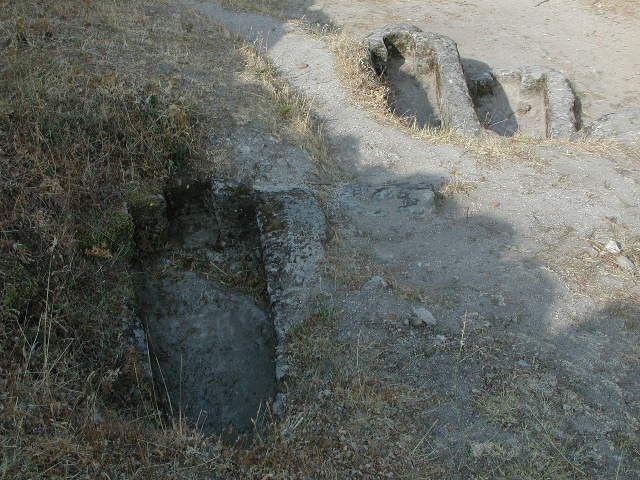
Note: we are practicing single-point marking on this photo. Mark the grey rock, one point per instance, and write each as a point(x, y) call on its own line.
point(279, 404)
point(394, 202)
point(612, 247)
point(424, 316)
point(622, 126)
point(424, 64)
point(626, 264)
point(211, 349)
point(536, 101)
point(416, 322)
point(293, 230)
point(375, 283)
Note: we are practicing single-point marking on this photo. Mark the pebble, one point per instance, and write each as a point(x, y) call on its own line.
point(441, 339)
point(612, 247)
point(625, 263)
point(302, 65)
point(424, 316)
point(523, 364)
point(592, 252)
point(416, 322)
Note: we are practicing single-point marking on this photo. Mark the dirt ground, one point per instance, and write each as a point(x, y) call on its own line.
point(528, 367)
point(597, 48)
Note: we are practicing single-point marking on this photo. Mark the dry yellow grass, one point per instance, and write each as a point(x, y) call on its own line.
point(289, 109)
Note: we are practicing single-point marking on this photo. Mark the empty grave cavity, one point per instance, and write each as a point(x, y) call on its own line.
point(425, 76)
point(203, 303)
point(414, 83)
point(534, 101)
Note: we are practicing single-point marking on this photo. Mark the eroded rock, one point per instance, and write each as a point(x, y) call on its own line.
point(292, 231)
point(622, 127)
point(212, 350)
point(536, 101)
point(426, 76)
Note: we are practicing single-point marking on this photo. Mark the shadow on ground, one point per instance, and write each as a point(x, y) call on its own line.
point(505, 397)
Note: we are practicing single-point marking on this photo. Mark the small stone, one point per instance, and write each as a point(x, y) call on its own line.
point(480, 449)
point(405, 322)
point(302, 66)
point(523, 364)
point(625, 263)
point(375, 283)
point(324, 394)
point(612, 247)
point(279, 403)
point(416, 322)
point(441, 339)
point(592, 252)
point(424, 316)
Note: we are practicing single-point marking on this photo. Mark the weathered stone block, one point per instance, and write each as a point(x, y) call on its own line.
point(535, 101)
point(426, 76)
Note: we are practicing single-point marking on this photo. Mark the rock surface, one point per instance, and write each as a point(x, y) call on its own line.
point(424, 316)
point(427, 53)
point(292, 229)
point(535, 100)
point(622, 126)
point(211, 350)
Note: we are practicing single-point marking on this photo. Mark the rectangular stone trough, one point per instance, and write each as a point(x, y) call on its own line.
point(216, 352)
point(535, 101)
point(426, 77)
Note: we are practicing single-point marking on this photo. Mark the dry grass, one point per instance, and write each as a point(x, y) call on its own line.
point(271, 7)
point(356, 71)
point(290, 109)
point(78, 135)
point(96, 107)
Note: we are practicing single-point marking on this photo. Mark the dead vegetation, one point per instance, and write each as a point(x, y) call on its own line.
point(271, 7)
point(94, 109)
point(285, 103)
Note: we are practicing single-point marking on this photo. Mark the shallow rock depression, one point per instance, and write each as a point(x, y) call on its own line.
point(210, 334)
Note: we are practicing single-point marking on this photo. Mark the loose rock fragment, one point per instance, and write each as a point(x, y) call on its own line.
point(612, 247)
point(375, 283)
point(424, 316)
